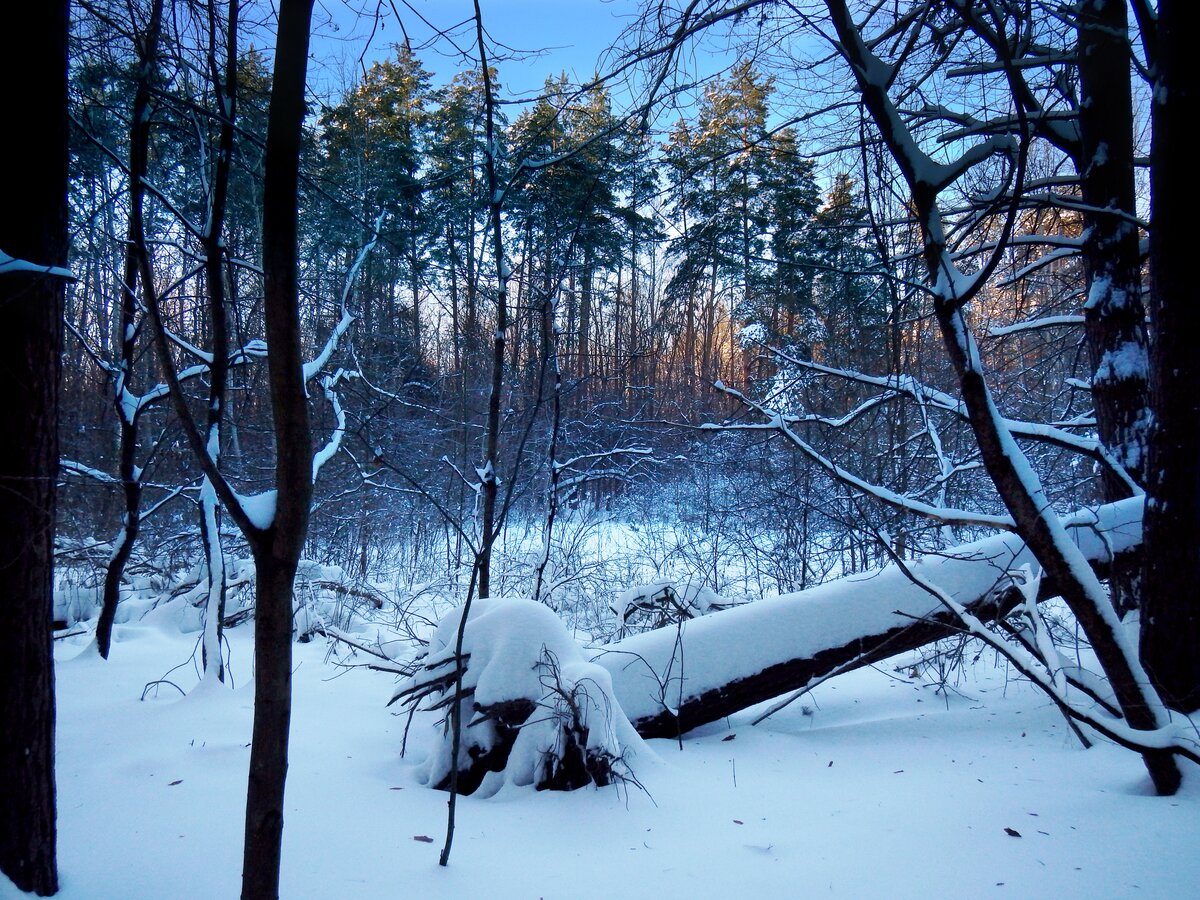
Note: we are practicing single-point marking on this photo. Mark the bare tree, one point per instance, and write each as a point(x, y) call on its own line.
point(277, 542)
point(128, 406)
point(892, 56)
point(1018, 486)
point(275, 522)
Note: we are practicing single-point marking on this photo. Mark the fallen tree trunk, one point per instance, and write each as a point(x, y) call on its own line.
point(671, 680)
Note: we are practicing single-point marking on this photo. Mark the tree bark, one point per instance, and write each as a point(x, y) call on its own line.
point(1170, 610)
point(277, 549)
point(1113, 312)
point(33, 228)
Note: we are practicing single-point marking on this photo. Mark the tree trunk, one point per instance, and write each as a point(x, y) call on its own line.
point(124, 541)
point(584, 370)
point(490, 484)
point(1114, 315)
point(674, 679)
point(277, 550)
point(33, 228)
point(272, 721)
point(214, 564)
point(127, 412)
point(218, 317)
point(1170, 610)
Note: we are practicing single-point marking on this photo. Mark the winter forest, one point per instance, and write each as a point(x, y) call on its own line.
point(760, 456)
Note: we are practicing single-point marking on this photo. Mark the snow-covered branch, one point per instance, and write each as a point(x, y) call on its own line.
point(346, 319)
point(906, 385)
point(10, 265)
point(943, 515)
point(330, 449)
point(1035, 324)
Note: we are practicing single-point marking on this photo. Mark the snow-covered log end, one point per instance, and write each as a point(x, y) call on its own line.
point(535, 711)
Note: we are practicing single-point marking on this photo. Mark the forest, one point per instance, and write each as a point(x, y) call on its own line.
point(542, 439)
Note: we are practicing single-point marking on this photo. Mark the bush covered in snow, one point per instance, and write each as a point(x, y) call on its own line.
point(325, 597)
point(534, 710)
point(645, 607)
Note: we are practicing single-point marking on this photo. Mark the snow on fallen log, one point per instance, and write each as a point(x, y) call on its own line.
point(673, 679)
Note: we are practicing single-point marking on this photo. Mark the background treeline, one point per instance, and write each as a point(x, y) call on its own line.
point(643, 267)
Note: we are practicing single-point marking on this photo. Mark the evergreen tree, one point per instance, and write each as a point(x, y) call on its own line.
point(793, 197)
point(373, 145)
point(851, 306)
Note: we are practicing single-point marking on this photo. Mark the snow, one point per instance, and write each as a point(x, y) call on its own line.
point(1100, 288)
point(651, 672)
point(517, 649)
point(259, 508)
point(10, 264)
point(1123, 363)
point(952, 285)
point(754, 334)
point(878, 785)
point(334, 443)
point(1033, 324)
point(511, 632)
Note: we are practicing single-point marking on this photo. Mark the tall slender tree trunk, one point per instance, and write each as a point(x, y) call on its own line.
point(585, 368)
point(127, 413)
point(33, 228)
point(218, 317)
point(277, 550)
point(491, 484)
point(414, 283)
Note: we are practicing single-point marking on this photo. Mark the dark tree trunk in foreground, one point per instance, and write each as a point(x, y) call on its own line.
point(33, 227)
point(490, 484)
point(1170, 610)
point(277, 549)
point(1115, 315)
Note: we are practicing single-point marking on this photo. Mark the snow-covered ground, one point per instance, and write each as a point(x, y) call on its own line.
point(875, 786)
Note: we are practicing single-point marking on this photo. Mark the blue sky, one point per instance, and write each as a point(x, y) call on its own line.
point(551, 36)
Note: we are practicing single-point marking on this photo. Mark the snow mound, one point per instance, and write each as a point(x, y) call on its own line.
point(535, 711)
